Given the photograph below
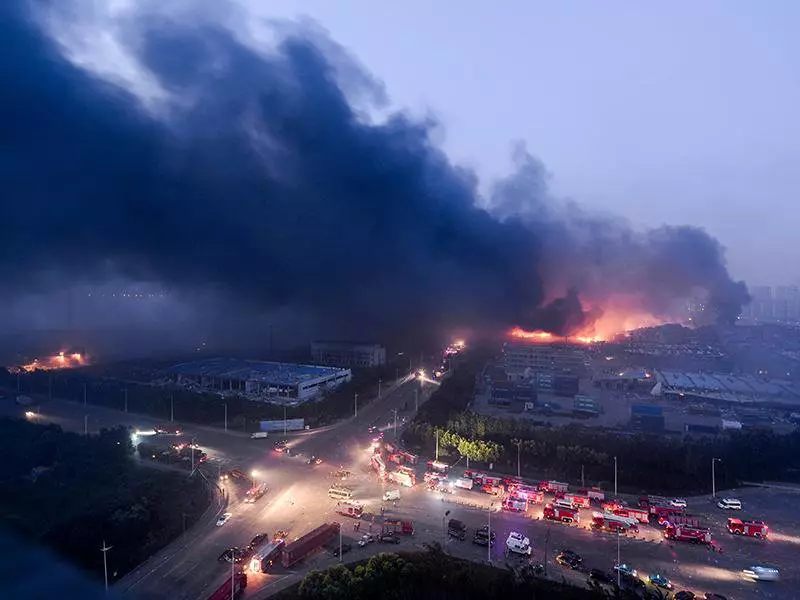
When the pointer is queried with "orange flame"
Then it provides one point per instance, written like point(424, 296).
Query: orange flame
point(59, 361)
point(612, 323)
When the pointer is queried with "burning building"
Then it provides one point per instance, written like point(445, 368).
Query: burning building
point(63, 360)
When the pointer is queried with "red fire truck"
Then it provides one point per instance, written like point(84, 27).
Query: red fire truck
point(578, 500)
point(613, 523)
point(531, 494)
point(756, 529)
point(379, 465)
point(648, 501)
point(403, 477)
point(512, 483)
point(350, 509)
point(398, 526)
point(396, 459)
point(557, 513)
point(639, 514)
point(664, 513)
point(593, 493)
point(437, 467)
point(686, 533)
point(494, 490)
point(513, 504)
point(553, 487)
point(411, 459)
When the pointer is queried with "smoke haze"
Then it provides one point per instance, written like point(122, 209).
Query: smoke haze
point(262, 183)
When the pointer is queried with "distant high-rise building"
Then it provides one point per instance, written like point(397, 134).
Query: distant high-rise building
point(787, 303)
point(761, 306)
point(348, 354)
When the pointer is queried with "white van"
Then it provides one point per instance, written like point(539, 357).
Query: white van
point(340, 493)
point(518, 544)
point(258, 435)
point(391, 495)
point(563, 503)
point(761, 573)
point(729, 504)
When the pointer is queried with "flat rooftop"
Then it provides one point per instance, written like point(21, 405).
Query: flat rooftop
point(255, 370)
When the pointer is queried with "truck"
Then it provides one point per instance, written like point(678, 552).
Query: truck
point(686, 533)
point(564, 515)
point(299, 549)
point(648, 501)
point(594, 493)
point(613, 523)
point(411, 459)
point(231, 589)
point(494, 490)
point(664, 513)
point(531, 494)
point(756, 529)
point(514, 504)
point(578, 500)
point(639, 514)
point(266, 555)
point(437, 467)
point(518, 544)
point(396, 459)
point(398, 526)
point(553, 487)
point(255, 493)
point(378, 465)
point(350, 509)
point(464, 483)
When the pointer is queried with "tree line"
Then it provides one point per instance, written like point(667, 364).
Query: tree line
point(73, 493)
point(576, 453)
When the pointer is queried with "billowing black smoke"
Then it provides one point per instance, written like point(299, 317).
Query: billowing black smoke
point(265, 185)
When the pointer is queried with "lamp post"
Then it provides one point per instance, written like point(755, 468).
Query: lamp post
point(395, 423)
point(437, 444)
point(104, 550)
point(444, 517)
point(380, 381)
point(84, 394)
point(489, 527)
point(254, 474)
point(355, 404)
point(340, 542)
point(519, 446)
point(713, 477)
point(171, 408)
point(284, 421)
point(125, 397)
point(192, 471)
point(619, 572)
point(225, 406)
point(615, 476)
point(416, 399)
point(86, 425)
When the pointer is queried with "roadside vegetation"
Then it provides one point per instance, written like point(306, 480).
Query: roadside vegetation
point(72, 493)
point(646, 462)
point(131, 381)
point(431, 574)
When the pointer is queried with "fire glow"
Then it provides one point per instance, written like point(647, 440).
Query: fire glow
point(611, 324)
point(62, 360)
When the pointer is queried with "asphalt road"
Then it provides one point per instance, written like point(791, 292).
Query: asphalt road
point(297, 502)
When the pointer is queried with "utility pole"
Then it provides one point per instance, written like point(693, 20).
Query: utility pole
point(104, 550)
point(233, 586)
point(355, 402)
point(395, 423)
point(713, 477)
point(489, 527)
point(618, 563)
point(583, 482)
point(340, 542)
point(86, 425)
point(84, 394)
point(225, 406)
point(615, 476)
point(396, 374)
point(468, 461)
point(125, 394)
point(284, 420)
point(437, 444)
point(192, 472)
point(416, 399)
point(519, 451)
point(380, 381)
point(19, 383)
point(546, 541)
point(444, 517)
point(171, 408)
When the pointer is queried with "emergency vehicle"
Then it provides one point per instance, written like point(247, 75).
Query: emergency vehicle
point(557, 513)
point(756, 529)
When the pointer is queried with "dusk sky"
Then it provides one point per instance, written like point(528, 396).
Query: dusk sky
point(679, 113)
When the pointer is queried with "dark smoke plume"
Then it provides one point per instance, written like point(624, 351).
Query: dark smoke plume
point(266, 184)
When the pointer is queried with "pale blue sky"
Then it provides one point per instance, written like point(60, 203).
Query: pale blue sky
point(677, 112)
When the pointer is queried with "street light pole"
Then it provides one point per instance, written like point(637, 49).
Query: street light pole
point(84, 394)
point(192, 472)
point(416, 399)
point(233, 587)
point(437, 444)
point(380, 381)
point(355, 404)
point(444, 517)
point(615, 476)
point(395, 423)
point(713, 477)
point(489, 527)
point(225, 405)
point(86, 425)
point(618, 563)
point(125, 394)
point(340, 542)
point(171, 408)
point(519, 446)
point(104, 550)
point(284, 421)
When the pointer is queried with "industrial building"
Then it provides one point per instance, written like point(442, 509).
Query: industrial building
point(265, 381)
point(521, 359)
point(725, 388)
point(348, 354)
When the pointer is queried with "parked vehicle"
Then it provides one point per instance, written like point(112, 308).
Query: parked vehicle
point(266, 555)
point(367, 538)
point(258, 540)
point(258, 435)
point(757, 529)
point(340, 493)
point(398, 526)
point(553, 486)
point(684, 595)
point(578, 500)
point(223, 518)
point(389, 538)
point(686, 533)
point(557, 513)
point(639, 514)
point(678, 502)
point(464, 483)
point(457, 529)
point(570, 559)
point(594, 493)
point(345, 549)
point(299, 549)
point(613, 523)
point(626, 569)
point(403, 476)
point(529, 493)
point(514, 504)
point(518, 544)
point(730, 504)
point(255, 493)
point(484, 537)
point(596, 575)
point(659, 580)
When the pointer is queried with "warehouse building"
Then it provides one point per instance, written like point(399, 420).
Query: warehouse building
point(521, 359)
point(261, 381)
point(348, 354)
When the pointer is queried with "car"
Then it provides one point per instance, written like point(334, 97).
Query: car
point(233, 555)
point(345, 549)
point(684, 595)
point(659, 580)
point(258, 540)
point(258, 435)
point(678, 502)
point(389, 538)
point(730, 504)
point(314, 460)
point(567, 560)
point(223, 518)
point(759, 573)
point(367, 538)
point(626, 570)
point(601, 577)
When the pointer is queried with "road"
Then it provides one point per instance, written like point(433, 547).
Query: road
point(188, 569)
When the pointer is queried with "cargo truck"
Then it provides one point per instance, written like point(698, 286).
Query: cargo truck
point(578, 500)
point(685, 533)
point(266, 555)
point(299, 549)
point(594, 493)
point(229, 589)
point(564, 515)
point(756, 529)
point(464, 483)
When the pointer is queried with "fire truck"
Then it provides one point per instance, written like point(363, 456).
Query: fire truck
point(437, 467)
point(593, 493)
point(403, 476)
point(411, 459)
point(664, 513)
point(638, 514)
point(578, 500)
point(514, 504)
point(650, 501)
point(256, 492)
point(532, 495)
point(686, 533)
point(680, 520)
point(756, 529)
point(350, 509)
point(379, 465)
point(431, 476)
point(557, 513)
point(613, 523)
point(553, 487)
point(512, 483)
point(396, 459)
point(494, 490)
point(398, 526)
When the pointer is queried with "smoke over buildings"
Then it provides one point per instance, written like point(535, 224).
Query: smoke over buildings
point(260, 180)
